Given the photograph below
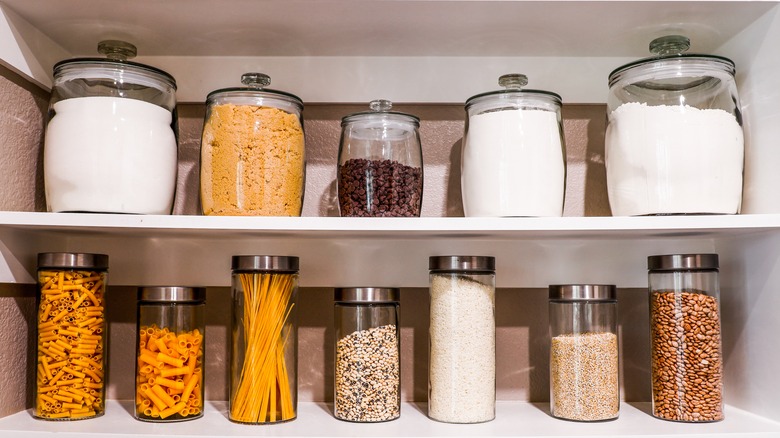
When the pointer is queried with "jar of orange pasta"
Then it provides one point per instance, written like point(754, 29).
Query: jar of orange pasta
point(169, 365)
point(263, 357)
point(71, 353)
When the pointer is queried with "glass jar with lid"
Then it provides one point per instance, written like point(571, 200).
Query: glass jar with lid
point(513, 159)
point(380, 168)
point(110, 142)
point(674, 142)
point(252, 151)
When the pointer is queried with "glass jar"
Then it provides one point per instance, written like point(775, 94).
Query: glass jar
point(674, 141)
point(514, 159)
point(253, 159)
point(685, 337)
point(70, 382)
point(170, 346)
point(380, 170)
point(264, 357)
point(584, 382)
point(367, 384)
point(462, 368)
point(110, 143)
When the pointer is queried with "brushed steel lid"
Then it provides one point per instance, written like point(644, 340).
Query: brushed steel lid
point(462, 263)
point(172, 294)
point(583, 292)
point(674, 262)
point(367, 294)
point(72, 260)
point(265, 263)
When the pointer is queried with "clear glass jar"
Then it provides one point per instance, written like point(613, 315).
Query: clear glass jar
point(514, 159)
point(685, 337)
point(170, 345)
point(380, 168)
point(367, 378)
point(264, 348)
point(674, 141)
point(584, 377)
point(253, 160)
point(71, 353)
point(462, 368)
point(110, 143)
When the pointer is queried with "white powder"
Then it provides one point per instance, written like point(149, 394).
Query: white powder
point(673, 160)
point(513, 164)
point(462, 369)
point(110, 154)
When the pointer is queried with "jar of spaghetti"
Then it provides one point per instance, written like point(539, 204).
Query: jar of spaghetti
point(169, 365)
point(264, 342)
point(70, 382)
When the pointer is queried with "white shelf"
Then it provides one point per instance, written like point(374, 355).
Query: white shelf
point(530, 252)
point(356, 51)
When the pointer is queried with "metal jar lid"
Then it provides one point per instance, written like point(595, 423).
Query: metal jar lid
point(265, 263)
point(70, 260)
point(675, 262)
point(583, 292)
point(367, 294)
point(486, 264)
point(172, 294)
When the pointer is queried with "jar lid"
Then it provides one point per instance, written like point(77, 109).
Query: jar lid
point(265, 263)
point(254, 92)
point(367, 294)
point(462, 263)
point(171, 294)
point(380, 111)
point(514, 96)
point(72, 260)
point(583, 292)
point(674, 262)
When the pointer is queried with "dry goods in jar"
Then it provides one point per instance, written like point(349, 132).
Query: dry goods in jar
point(252, 162)
point(686, 356)
point(379, 188)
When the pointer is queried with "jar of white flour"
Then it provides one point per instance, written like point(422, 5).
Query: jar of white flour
point(514, 160)
point(111, 137)
point(674, 142)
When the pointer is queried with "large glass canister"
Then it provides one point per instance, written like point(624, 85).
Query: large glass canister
point(169, 353)
point(462, 357)
point(252, 151)
point(110, 143)
point(674, 141)
point(584, 382)
point(263, 358)
point(367, 386)
point(380, 168)
point(513, 159)
point(72, 333)
point(685, 337)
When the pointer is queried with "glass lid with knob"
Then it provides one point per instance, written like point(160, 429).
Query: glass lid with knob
point(380, 110)
point(513, 96)
point(255, 92)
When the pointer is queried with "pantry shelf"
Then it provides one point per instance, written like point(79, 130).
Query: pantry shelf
point(393, 252)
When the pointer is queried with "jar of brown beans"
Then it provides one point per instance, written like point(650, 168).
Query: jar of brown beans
point(685, 334)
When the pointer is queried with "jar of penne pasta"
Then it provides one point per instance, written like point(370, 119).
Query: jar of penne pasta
point(169, 365)
point(263, 357)
point(71, 353)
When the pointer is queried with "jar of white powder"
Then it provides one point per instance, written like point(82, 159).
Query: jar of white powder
point(674, 142)
point(514, 160)
point(111, 137)
point(462, 368)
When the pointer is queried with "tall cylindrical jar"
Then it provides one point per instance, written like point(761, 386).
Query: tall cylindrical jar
point(674, 141)
point(514, 159)
point(685, 335)
point(367, 385)
point(169, 353)
point(263, 356)
point(380, 167)
point(72, 333)
point(462, 357)
point(252, 151)
point(584, 352)
point(111, 136)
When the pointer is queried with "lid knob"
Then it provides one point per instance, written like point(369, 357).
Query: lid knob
point(380, 105)
point(255, 80)
point(117, 50)
point(670, 45)
point(513, 81)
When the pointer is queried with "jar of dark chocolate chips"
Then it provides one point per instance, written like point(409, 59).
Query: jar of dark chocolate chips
point(380, 171)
